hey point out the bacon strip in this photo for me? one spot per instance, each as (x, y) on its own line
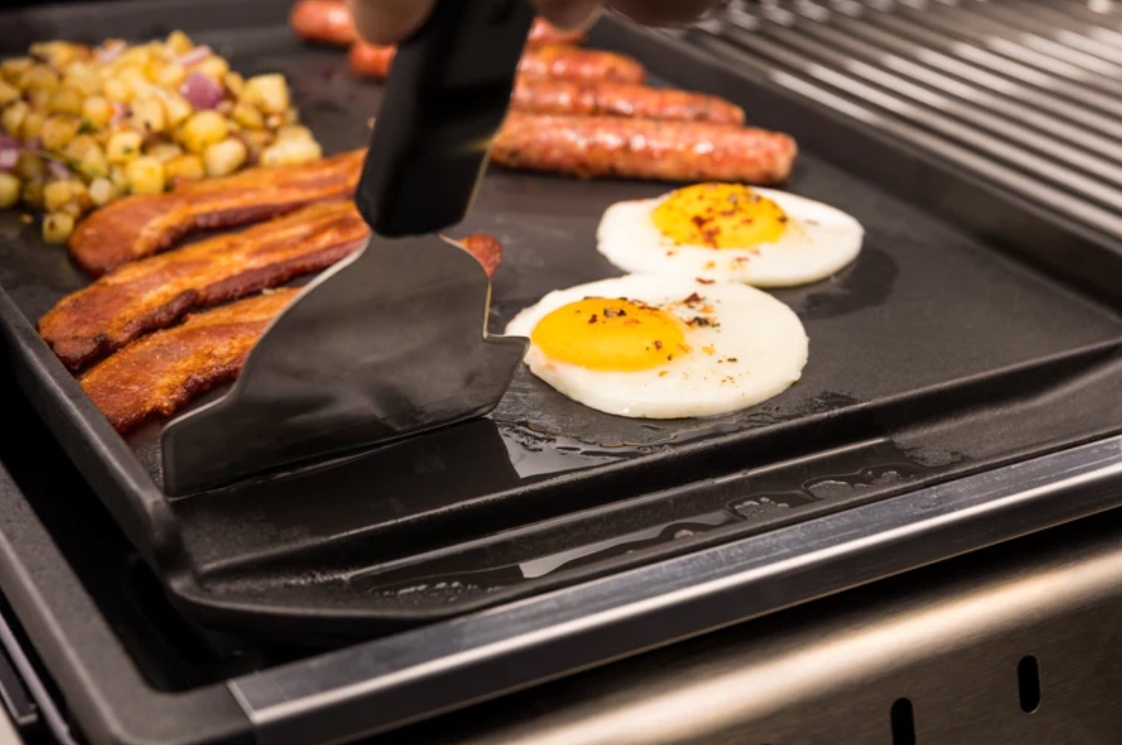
(157, 291)
(599, 146)
(543, 61)
(142, 225)
(607, 98)
(162, 372)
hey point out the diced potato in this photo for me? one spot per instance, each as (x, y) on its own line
(274, 121)
(123, 147)
(257, 139)
(202, 129)
(30, 166)
(39, 77)
(179, 43)
(176, 107)
(146, 176)
(118, 176)
(32, 125)
(118, 90)
(8, 93)
(9, 190)
(214, 68)
(58, 130)
(136, 57)
(92, 162)
(164, 151)
(82, 78)
(12, 117)
(247, 116)
(56, 194)
(32, 194)
(39, 98)
(184, 167)
(223, 158)
(102, 191)
(97, 111)
(292, 151)
(235, 83)
(168, 75)
(13, 69)
(58, 227)
(148, 116)
(268, 93)
(292, 116)
(73, 208)
(291, 132)
(58, 54)
(65, 100)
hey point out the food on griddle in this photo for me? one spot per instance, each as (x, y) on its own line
(730, 232)
(608, 98)
(142, 225)
(84, 126)
(331, 22)
(162, 372)
(663, 347)
(155, 292)
(599, 146)
(544, 61)
(324, 22)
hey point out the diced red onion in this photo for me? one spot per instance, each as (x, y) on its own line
(9, 156)
(202, 92)
(33, 144)
(195, 56)
(58, 170)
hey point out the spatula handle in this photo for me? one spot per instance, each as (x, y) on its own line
(447, 95)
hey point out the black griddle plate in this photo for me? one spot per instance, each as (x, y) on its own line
(932, 356)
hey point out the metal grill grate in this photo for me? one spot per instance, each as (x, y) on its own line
(1026, 94)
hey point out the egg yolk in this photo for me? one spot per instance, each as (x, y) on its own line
(610, 335)
(719, 216)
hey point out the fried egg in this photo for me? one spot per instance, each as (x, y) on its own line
(732, 233)
(652, 347)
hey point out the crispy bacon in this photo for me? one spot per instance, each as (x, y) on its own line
(157, 291)
(142, 225)
(160, 373)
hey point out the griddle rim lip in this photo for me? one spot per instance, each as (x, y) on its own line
(391, 682)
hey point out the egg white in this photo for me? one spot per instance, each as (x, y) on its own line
(759, 350)
(818, 242)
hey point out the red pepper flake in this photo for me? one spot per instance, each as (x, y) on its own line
(694, 298)
(704, 281)
(657, 344)
(592, 319)
(614, 312)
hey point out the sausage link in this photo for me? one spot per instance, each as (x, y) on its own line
(605, 98)
(542, 32)
(593, 147)
(574, 63)
(371, 60)
(323, 21)
(546, 61)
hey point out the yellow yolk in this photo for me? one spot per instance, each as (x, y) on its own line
(719, 216)
(610, 335)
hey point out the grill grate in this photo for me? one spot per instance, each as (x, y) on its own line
(1025, 94)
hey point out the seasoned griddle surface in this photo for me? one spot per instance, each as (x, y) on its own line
(930, 327)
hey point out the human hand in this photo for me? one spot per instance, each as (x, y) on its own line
(391, 21)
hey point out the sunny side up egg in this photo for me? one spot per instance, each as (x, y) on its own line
(731, 233)
(653, 347)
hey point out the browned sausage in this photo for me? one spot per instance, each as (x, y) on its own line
(603, 97)
(544, 33)
(598, 146)
(323, 21)
(574, 63)
(546, 61)
(371, 60)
